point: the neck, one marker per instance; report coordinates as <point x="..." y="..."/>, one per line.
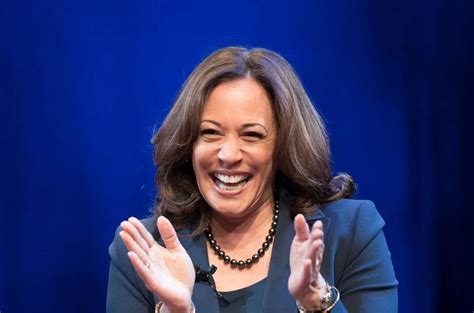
<point x="232" y="232"/>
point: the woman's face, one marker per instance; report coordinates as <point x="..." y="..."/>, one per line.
<point x="233" y="155"/>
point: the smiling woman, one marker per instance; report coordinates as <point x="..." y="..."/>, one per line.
<point x="233" y="155"/>
<point x="245" y="184"/>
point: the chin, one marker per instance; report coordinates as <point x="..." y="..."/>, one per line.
<point x="232" y="208"/>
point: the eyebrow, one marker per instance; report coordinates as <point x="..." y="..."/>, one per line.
<point x="212" y="122"/>
<point x="246" y="125"/>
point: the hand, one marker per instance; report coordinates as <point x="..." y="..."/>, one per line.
<point x="168" y="271"/>
<point x="306" y="283"/>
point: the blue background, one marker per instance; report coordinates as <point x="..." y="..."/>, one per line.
<point x="83" y="84"/>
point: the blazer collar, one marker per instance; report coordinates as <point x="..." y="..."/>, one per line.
<point x="276" y="288"/>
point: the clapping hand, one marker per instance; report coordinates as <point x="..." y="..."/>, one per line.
<point x="167" y="271"/>
<point x="306" y="283"/>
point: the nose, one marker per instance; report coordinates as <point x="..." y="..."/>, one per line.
<point x="230" y="153"/>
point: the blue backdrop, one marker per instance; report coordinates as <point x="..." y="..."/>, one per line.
<point x="84" y="83"/>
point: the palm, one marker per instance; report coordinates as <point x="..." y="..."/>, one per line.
<point x="305" y="282"/>
<point x="297" y="259"/>
<point x="167" y="271"/>
<point x="171" y="274"/>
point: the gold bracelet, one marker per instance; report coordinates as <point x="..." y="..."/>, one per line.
<point x="160" y="304"/>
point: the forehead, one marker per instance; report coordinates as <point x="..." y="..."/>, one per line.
<point x="243" y="99"/>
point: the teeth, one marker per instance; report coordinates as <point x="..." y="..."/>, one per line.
<point x="222" y="186"/>
<point x="231" y="178"/>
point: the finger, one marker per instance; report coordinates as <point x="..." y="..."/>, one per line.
<point x="317" y="234"/>
<point x="168" y="234"/>
<point x="144" y="272"/>
<point x="315" y="253"/>
<point x="132" y="246"/>
<point x="133" y="231"/>
<point x="301" y="228"/>
<point x="143" y="231"/>
<point x="317" y="230"/>
<point x="306" y="275"/>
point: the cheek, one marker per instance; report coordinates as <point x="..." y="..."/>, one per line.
<point x="262" y="156"/>
<point x="262" y="161"/>
<point x="201" y="158"/>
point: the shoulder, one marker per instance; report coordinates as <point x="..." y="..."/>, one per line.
<point x="354" y="240"/>
<point x="348" y="206"/>
<point x="351" y="223"/>
<point x="349" y="212"/>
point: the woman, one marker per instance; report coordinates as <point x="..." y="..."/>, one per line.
<point x="245" y="184"/>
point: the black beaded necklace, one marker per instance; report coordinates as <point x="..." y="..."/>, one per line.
<point x="260" y="252"/>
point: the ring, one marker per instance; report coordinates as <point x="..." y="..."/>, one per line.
<point x="317" y="262"/>
<point x="147" y="264"/>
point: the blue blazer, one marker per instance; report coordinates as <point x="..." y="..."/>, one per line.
<point x="356" y="260"/>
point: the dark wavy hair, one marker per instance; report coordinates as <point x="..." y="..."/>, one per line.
<point x="302" y="155"/>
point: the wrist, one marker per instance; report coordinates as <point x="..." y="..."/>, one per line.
<point x="313" y="297"/>
<point x="326" y="303"/>
<point x="314" y="294"/>
<point x="160" y="307"/>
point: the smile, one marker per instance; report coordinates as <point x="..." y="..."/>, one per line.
<point x="230" y="182"/>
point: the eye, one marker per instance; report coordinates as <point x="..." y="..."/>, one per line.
<point x="209" y="133"/>
<point x="253" y="135"/>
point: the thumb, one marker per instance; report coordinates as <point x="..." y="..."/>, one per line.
<point x="301" y="228"/>
<point x="168" y="233"/>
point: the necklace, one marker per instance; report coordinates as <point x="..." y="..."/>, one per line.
<point x="260" y="252"/>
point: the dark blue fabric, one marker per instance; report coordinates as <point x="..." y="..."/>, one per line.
<point x="356" y="261"/>
<point x="83" y="83"/>
<point x="248" y="299"/>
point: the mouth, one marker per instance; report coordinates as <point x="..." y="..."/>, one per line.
<point x="228" y="182"/>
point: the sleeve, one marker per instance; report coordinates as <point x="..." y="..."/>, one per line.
<point x="126" y="292"/>
<point x="368" y="282"/>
